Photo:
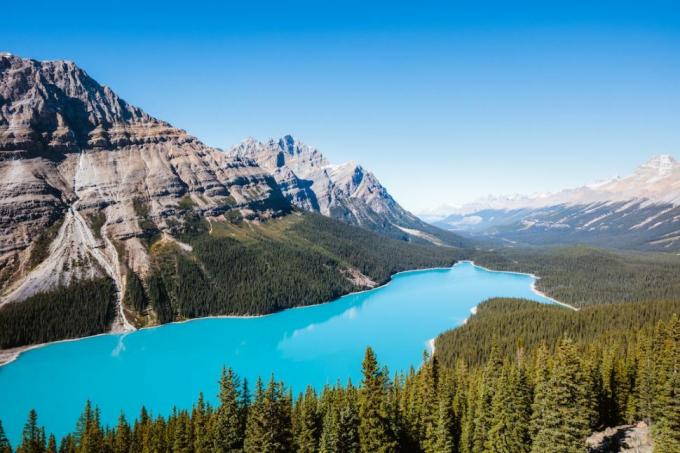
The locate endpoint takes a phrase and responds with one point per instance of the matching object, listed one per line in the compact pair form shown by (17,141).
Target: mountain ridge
(93,189)
(658,168)
(345,191)
(641,211)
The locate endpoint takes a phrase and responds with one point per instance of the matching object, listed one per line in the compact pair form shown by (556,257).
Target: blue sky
(444,101)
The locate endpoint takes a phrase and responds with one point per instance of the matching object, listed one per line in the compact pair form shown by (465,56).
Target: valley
(138,263)
(317,345)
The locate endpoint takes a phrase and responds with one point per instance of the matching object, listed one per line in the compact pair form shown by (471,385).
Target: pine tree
(427,404)
(375,433)
(157,438)
(32,436)
(51,444)
(269,420)
(89,437)
(393,391)
(5,446)
(349,421)
(245,403)
(227,427)
(182,442)
(122,439)
(68,445)
(566,419)
(308,423)
(667,430)
(459,382)
(539,406)
(593,385)
(140,431)
(482,416)
(200,419)
(330,433)
(510,420)
(254,436)
(444,437)
(409,405)
(93,439)
(657,352)
(83,423)
(472,397)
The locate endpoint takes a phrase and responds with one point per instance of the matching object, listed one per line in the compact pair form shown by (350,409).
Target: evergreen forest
(543,398)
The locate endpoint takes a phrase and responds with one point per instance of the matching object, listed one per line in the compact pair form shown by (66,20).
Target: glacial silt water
(168,366)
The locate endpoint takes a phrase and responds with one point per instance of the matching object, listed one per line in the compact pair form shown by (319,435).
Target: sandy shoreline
(8,356)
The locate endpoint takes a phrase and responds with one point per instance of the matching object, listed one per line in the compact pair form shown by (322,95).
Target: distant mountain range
(639,211)
(89,183)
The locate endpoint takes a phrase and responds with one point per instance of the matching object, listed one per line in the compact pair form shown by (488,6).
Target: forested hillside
(507,323)
(581,276)
(78,310)
(224,267)
(541,399)
(245,268)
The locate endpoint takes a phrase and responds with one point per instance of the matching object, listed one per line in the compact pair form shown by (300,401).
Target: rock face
(73,155)
(622,439)
(346,191)
(639,211)
(88,182)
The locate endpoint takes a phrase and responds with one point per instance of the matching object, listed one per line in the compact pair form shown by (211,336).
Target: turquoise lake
(168,366)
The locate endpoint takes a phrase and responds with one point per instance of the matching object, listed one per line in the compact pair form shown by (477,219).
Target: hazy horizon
(444,103)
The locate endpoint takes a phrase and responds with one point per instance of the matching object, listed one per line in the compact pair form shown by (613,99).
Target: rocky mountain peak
(52,107)
(662,164)
(77,158)
(281,152)
(344,191)
(655,181)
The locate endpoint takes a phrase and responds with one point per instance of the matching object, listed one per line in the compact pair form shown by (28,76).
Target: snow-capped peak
(663,163)
(602,183)
(657,181)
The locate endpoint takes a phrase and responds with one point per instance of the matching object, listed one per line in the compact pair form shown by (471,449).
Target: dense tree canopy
(77,310)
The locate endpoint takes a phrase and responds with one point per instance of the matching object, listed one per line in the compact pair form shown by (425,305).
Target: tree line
(79,309)
(262,272)
(534,400)
(511,322)
(583,275)
(304,264)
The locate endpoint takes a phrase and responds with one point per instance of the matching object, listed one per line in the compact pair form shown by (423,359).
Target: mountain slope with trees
(225,268)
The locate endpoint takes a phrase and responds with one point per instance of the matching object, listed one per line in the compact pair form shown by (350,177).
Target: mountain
(639,211)
(78,162)
(346,192)
(111,219)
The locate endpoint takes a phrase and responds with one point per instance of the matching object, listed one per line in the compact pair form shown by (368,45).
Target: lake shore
(8,356)
(533,284)
(317,346)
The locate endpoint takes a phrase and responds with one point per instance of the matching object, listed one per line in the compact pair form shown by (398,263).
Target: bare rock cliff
(95,174)
(347,191)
